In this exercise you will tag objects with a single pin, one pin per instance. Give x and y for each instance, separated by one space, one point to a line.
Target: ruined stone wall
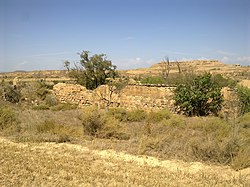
133 97
130 97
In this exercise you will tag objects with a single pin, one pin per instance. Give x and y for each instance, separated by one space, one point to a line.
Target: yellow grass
51 164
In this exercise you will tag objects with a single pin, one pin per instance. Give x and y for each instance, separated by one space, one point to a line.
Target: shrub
50 131
153 80
244 99
155 117
120 114
112 128
214 141
175 121
42 92
224 82
51 100
35 91
180 78
102 125
136 115
242 159
92 122
244 121
7 118
12 94
201 98
46 126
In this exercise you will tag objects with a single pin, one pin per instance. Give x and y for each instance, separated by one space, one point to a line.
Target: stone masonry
130 97
133 97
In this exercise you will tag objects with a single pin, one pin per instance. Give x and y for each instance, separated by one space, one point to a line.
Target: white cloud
138 59
225 59
24 62
226 53
186 59
243 59
137 62
203 58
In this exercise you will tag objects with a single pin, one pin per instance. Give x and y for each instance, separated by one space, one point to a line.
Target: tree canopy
92 71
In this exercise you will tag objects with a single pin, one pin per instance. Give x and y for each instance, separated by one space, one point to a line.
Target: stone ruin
146 97
130 97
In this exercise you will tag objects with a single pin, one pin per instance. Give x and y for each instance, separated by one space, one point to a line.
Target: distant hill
195 66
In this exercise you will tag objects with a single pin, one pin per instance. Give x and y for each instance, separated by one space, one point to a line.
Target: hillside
196 66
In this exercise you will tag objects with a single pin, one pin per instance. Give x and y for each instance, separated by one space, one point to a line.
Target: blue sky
42 34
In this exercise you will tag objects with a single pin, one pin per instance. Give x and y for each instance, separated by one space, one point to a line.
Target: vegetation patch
200 98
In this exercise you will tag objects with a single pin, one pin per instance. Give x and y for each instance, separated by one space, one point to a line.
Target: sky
42 34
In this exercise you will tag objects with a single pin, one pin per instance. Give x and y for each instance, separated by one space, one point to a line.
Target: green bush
42 92
12 94
153 80
243 93
201 98
224 82
180 78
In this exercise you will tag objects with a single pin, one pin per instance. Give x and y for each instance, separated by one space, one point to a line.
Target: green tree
200 98
92 71
243 93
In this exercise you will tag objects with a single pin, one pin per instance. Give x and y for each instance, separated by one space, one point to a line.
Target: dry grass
90 161
160 134
50 164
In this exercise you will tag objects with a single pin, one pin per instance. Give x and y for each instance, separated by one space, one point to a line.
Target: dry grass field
50 148
47 143
51 164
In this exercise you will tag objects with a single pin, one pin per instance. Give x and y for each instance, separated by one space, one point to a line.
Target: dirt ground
52 164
